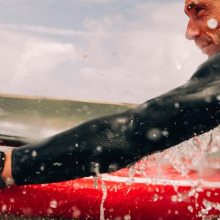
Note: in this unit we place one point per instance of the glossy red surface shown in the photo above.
(143, 199)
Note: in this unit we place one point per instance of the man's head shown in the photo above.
(204, 24)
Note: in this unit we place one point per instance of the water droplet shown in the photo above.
(79, 110)
(191, 192)
(34, 153)
(156, 197)
(127, 217)
(199, 189)
(165, 133)
(196, 195)
(76, 212)
(177, 105)
(212, 23)
(208, 99)
(207, 204)
(99, 148)
(216, 206)
(204, 211)
(154, 134)
(178, 66)
(130, 181)
(85, 108)
(174, 198)
(208, 193)
(49, 211)
(113, 167)
(153, 181)
(190, 208)
(57, 164)
(4, 207)
(53, 204)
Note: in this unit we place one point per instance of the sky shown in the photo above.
(104, 50)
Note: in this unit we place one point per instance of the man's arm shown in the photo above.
(114, 141)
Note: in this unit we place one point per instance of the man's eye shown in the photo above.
(198, 9)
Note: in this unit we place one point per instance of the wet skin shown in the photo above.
(117, 140)
(200, 13)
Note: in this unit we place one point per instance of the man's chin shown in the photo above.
(211, 50)
(207, 50)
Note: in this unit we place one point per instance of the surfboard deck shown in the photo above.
(168, 196)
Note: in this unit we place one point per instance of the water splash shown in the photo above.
(195, 155)
(95, 180)
(103, 187)
(104, 196)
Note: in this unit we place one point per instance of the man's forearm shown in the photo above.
(117, 140)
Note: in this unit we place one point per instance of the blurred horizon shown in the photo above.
(102, 50)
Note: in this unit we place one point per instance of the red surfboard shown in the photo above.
(153, 191)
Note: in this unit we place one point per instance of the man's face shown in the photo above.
(204, 24)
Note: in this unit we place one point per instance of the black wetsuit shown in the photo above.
(117, 140)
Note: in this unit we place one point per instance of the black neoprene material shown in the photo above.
(117, 140)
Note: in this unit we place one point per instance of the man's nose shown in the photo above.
(192, 31)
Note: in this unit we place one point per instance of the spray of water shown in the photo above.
(192, 155)
(103, 187)
(104, 195)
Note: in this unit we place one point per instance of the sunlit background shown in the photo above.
(104, 50)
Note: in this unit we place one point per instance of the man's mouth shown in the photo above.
(203, 46)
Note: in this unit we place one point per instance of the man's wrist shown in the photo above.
(6, 174)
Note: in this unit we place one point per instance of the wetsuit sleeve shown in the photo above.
(114, 141)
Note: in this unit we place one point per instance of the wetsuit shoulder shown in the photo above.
(210, 68)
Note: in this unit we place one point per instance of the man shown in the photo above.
(111, 142)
